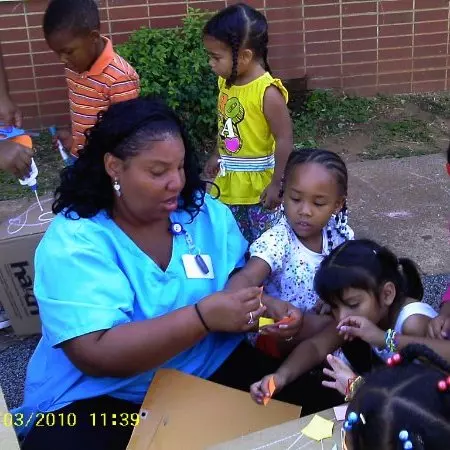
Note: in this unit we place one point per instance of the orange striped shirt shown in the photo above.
(110, 80)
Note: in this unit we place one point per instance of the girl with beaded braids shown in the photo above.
(254, 126)
(403, 407)
(374, 297)
(286, 257)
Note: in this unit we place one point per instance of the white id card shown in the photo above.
(193, 270)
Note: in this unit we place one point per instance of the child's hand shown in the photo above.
(286, 327)
(270, 197)
(65, 136)
(211, 168)
(260, 389)
(341, 374)
(360, 327)
(439, 328)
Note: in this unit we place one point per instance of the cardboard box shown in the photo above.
(185, 412)
(287, 435)
(8, 438)
(19, 237)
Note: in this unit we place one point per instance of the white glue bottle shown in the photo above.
(31, 181)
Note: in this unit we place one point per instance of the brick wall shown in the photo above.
(365, 46)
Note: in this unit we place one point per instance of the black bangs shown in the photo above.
(331, 282)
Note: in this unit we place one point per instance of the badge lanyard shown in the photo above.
(177, 230)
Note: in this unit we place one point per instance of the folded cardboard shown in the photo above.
(8, 439)
(185, 412)
(287, 435)
(19, 237)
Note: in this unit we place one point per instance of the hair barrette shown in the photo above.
(353, 419)
(404, 438)
(444, 385)
(394, 360)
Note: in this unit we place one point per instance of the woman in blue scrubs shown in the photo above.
(129, 277)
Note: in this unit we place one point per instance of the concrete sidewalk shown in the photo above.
(404, 204)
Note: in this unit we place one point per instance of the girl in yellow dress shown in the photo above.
(255, 128)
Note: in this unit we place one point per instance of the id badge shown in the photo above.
(193, 270)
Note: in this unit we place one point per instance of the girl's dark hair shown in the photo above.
(240, 26)
(404, 397)
(123, 130)
(334, 163)
(364, 264)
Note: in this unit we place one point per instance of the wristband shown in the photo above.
(202, 320)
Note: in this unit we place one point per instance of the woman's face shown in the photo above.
(150, 182)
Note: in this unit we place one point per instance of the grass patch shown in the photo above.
(437, 104)
(325, 113)
(405, 137)
(49, 165)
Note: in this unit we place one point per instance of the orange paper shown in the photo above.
(272, 388)
(285, 320)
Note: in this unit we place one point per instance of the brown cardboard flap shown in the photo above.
(287, 436)
(185, 412)
(19, 237)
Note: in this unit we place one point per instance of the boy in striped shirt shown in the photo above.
(96, 76)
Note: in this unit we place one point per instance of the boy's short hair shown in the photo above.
(78, 16)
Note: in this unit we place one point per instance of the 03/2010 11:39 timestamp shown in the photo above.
(113, 419)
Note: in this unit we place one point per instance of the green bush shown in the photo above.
(173, 64)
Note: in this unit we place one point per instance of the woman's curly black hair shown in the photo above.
(404, 397)
(86, 188)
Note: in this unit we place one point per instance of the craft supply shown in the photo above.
(319, 428)
(272, 388)
(265, 321)
(285, 320)
(340, 412)
(65, 157)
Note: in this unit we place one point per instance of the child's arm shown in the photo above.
(277, 115)
(252, 274)
(307, 355)
(360, 327)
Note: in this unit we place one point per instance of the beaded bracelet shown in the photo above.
(391, 341)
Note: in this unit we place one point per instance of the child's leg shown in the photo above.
(261, 219)
(240, 213)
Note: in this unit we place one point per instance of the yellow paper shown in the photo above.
(319, 428)
(264, 321)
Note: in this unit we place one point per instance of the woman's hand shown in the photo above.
(10, 112)
(270, 197)
(260, 389)
(233, 312)
(341, 374)
(360, 327)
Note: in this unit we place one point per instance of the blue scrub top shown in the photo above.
(90, 276)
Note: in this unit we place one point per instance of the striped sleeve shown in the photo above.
(126, 82)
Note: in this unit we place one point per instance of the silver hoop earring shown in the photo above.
(116, 187)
